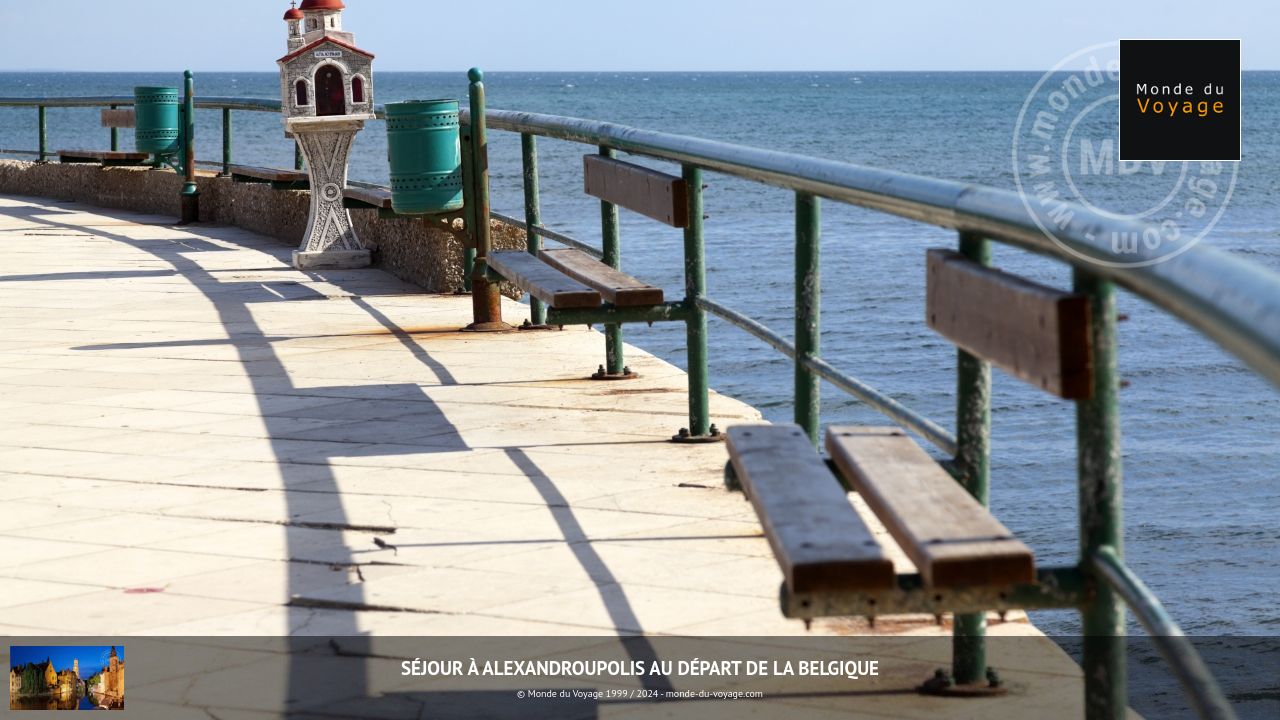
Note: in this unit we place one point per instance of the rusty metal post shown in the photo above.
(972, 461)
(808, 311)
(532, 215)
(615, 366)
(486, 300)
(695, 287)
(226, 142)
(44, 134)
(115, 134)
(1101, 509)
(468, 207)
(190, 191)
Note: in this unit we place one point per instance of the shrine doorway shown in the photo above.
(331, 95)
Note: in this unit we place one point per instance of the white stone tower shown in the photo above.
(326, 88)
(294, 17)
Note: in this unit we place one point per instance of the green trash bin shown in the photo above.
(158, 119)
(425, 152)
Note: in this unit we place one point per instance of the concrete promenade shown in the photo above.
(198, 440)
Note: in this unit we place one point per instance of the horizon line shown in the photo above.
(529, 72)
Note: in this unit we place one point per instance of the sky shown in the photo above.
(616, 35)
(92, 658)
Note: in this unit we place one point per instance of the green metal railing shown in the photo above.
(1234, 303)
(226, 104)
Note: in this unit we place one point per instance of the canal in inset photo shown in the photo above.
(66, 678)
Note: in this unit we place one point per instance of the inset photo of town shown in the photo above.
(80, 677)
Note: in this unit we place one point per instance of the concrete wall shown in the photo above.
(430, 257)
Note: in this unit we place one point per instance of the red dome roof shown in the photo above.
(322, 5)
(293, 13)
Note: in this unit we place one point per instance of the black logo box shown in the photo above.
(1187, 68)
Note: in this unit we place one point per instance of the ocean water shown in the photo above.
(1201, 432)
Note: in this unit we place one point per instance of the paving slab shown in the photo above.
(263, 451)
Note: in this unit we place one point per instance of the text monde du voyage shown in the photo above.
(1182, 99)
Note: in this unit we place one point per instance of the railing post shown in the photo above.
(226, 142)
(532, 214)
(972, 461)
(44, 135)
(486, 301)
(190, 192)
(695, 286)
(1101, 508)
(808, 310)
(297, 155)
(115, 134)
(468, 208)
(615, 364)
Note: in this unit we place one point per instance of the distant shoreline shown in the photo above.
(587, 72)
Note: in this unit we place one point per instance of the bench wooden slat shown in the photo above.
(1035, 333)
(651, 193)
(265, 174)
(614, 286)
(542, 281)
(103, 156)
(952, 539)
(817, 537)
(373, 197)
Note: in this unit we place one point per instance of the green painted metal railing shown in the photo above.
(225, 104)
(1231, 301)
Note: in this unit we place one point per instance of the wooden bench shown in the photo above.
(572, 279)
(103, 157)
(663, 197)
(113, 119)
(278, 179)
(822, 544)
(1038, 334)
(367, 198)
(817, 537)
(953, 540)
(542, 281)
(1035, 333)
(615, 287)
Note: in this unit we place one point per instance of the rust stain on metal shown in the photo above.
(640, 391)
(415, 330)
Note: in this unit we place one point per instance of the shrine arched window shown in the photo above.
(331, 94)
(300, 93)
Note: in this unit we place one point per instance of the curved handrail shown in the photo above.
(1201, 691)
(1230, 300)
(229, 103)
(1233, 302)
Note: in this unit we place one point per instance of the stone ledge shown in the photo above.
(410, 249)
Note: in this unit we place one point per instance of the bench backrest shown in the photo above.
(118, 118)
(1036, 333)
(640, 189)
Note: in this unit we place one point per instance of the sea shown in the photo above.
(1201, 432)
